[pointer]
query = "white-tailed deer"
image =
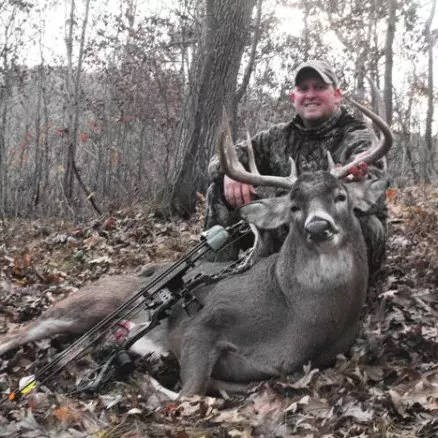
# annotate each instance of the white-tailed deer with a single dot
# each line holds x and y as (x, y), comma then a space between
(300, 305)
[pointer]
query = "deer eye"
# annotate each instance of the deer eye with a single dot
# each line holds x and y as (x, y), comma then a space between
(295, 209)
(340, 198)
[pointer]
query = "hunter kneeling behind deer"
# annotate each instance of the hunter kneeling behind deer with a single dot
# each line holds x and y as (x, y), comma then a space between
(301, 301)
(321, 125)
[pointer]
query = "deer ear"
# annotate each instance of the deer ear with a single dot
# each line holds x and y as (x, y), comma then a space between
(267, 214)
(366, 195)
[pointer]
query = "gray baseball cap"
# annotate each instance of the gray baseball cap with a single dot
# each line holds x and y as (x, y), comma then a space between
(323, 69)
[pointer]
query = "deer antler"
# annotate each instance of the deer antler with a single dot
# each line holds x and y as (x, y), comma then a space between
(378, 149)
(234, 169)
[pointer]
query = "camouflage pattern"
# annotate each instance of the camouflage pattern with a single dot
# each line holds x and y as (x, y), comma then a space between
(342, 135)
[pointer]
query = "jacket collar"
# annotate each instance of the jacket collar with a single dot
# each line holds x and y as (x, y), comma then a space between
(322, 129)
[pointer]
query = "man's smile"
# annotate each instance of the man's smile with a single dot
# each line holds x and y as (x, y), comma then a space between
(312, 104)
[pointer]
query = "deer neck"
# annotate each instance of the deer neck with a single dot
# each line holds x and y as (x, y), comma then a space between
(305, 268)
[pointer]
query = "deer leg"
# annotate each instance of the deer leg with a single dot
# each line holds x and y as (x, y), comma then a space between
(35, 332)
(78, 312)
(198, 356)
(328, 358)
(201, 349)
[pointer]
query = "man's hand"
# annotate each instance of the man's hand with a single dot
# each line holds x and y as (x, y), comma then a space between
(236, 193)
(359, 172)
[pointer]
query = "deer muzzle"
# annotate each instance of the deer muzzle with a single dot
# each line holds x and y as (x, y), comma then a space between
(320, 228)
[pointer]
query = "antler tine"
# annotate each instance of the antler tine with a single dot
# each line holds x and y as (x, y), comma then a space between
(235, 170)
(251, 159)
(293, 174)
(331, 161)
(381, 111)
(378, 150)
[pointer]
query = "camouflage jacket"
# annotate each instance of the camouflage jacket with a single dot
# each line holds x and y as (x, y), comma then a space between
(342, 135)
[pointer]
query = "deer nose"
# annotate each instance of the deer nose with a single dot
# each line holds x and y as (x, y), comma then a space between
(319, 229)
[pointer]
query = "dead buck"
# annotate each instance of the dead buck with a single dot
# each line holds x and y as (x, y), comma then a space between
(300, 305)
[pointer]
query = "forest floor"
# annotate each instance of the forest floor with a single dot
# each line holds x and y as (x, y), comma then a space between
(386, 387)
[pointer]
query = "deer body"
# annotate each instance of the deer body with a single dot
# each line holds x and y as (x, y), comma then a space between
(301, 305)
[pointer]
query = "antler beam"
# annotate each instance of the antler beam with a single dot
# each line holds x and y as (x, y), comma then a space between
(376, 151)
(235, 170)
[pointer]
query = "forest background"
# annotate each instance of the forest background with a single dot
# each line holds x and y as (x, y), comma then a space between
(108, 104)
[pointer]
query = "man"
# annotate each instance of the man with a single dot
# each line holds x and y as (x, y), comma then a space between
(321, 125)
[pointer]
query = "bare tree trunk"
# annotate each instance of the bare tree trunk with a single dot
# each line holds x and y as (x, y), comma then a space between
(38, 137)
(405, 142)
(213, 85)
(248, 70)
(306, 31)
(3, 159)
(374, 48)
(45, 158)
(359, 58)
(5, 92)
(3, 173)
(407, 130)
(73, 90)
(360, 77)
(70, 146)
(389, 59)
(429, 156)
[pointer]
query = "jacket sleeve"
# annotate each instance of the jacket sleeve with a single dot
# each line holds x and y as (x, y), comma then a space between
(264, 144)
(355, 142)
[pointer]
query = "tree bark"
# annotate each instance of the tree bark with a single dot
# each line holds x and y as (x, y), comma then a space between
(306, 31)
(429, 156)
(389, 59)
(38, 137)
(5, 94)
(359, 56)
(73, 89)
(213, 85)
(248, 69)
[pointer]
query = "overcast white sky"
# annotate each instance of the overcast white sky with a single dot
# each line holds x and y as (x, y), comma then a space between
(52, 18)
(55, 17)
(53, 14)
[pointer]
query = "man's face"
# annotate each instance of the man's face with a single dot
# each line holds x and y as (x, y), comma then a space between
(314, 100)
